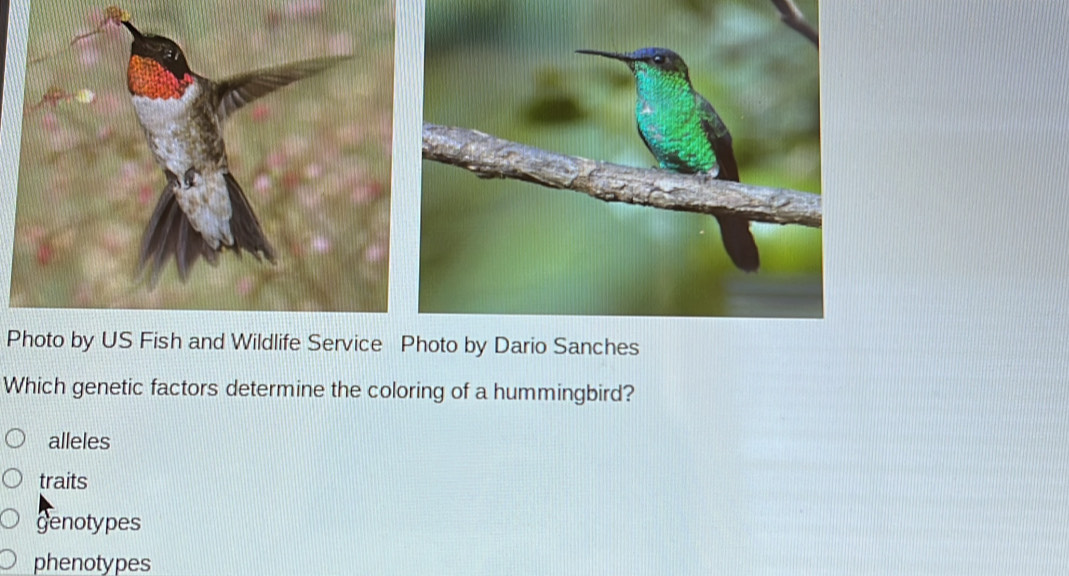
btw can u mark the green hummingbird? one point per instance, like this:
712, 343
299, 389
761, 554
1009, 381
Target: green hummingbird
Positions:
685, 134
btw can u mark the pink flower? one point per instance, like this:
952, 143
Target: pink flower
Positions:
365, 192
375, 253
260, 112
262, 184
45, 253
303, 8
321, 244
244, 286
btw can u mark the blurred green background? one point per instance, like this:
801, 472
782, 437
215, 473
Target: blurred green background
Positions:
313, 158
509, 68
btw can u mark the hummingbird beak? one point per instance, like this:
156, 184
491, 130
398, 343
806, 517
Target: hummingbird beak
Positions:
137, 33
614, 55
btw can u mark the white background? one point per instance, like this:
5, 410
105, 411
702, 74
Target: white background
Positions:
918, 429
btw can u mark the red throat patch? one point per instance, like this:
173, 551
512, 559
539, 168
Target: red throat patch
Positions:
146, 77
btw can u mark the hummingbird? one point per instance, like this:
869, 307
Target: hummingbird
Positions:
202, 209
685, 134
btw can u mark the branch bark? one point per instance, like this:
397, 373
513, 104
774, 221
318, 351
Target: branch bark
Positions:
491, 157
792, 16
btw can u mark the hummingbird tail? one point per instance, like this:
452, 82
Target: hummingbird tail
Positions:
739, 242
169, 233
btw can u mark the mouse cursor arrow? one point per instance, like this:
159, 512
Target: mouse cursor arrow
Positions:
44, 507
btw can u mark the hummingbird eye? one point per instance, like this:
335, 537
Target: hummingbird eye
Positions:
168, 53
658, 59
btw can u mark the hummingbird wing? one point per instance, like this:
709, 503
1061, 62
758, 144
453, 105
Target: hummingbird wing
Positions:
720, 139
237, 91
734, 230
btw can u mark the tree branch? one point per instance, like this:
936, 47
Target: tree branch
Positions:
793, 17
491, 157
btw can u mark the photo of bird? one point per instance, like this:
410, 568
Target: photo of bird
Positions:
255, 137
685, 134
202, 209
537, 197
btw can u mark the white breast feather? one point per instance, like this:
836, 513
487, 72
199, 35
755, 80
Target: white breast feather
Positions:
163, 122
205, 200
207, 205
